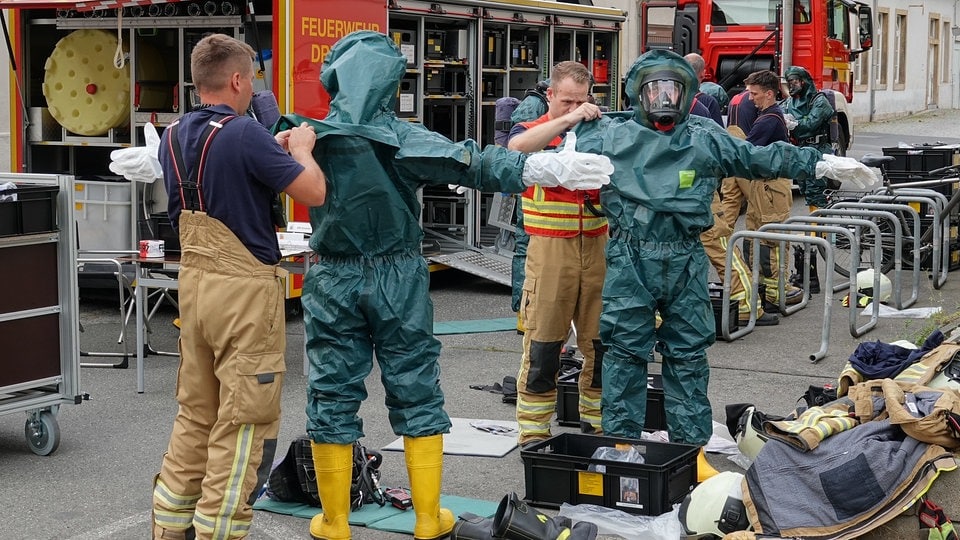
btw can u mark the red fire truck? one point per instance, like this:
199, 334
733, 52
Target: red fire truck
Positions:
738, 37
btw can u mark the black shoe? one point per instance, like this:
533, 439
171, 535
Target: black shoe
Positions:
769, 307
530, 443
797, 281
767, 319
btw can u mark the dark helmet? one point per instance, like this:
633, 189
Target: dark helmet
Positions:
661, 85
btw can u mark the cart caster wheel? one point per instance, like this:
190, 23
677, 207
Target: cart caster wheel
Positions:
43, 433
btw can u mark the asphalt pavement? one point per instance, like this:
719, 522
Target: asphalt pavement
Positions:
97, 484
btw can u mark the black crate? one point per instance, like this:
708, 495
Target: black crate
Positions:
34, 211
920, 158
926, 261
568, 401
734, 309
561, 470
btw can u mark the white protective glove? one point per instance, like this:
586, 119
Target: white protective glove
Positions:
790, 121
459, 189
846, 169
567, 168
139, 163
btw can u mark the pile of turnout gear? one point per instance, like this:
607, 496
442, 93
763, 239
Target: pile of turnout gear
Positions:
843, 467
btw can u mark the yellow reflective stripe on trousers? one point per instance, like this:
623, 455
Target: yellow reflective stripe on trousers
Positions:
224, 525
590, 405
173, 520
172, 500
746, 278
534, 417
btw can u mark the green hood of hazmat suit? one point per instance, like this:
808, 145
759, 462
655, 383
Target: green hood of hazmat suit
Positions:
368, 294
374, 210
657, 204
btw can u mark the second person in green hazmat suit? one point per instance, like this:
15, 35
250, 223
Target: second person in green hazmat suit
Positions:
368, 295
666, 168
812, 112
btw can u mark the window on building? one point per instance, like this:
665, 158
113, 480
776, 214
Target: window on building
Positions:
945, 52
861, 72
900, 54
881, 39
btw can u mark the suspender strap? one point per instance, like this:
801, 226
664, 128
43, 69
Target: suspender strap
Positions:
191, 195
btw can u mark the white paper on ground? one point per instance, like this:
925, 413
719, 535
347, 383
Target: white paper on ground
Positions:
910, 313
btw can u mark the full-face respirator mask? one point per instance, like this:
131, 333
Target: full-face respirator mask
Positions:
662, 96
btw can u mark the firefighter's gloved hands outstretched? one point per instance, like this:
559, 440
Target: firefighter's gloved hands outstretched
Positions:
846, 169
139, 163
568, 168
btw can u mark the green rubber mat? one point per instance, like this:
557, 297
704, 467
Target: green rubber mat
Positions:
367, 514
385, 518
404, 521
475, 326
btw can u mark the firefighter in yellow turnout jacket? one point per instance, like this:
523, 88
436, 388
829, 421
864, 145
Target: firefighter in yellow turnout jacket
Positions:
564, 269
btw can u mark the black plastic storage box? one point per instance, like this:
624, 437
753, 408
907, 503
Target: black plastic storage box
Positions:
34, 211
568, 402
561, 470
913, 164
919, 159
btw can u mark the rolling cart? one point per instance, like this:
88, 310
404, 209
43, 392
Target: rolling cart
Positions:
40, 359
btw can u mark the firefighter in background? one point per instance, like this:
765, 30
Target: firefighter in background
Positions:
718, 93
767, 202
666, 169
368, 294
715, 240
711, 103
812, 113
564, 268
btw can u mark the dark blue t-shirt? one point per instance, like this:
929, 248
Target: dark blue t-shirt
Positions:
769, 127
712, 105
742, 111
244, 171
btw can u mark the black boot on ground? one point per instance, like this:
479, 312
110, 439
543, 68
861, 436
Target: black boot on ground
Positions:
473, 527
515, 520
797, 278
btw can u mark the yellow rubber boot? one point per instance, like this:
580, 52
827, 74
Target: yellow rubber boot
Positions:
704, 469
424, 456
334, 467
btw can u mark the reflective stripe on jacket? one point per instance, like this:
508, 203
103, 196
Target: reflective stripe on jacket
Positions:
560, 212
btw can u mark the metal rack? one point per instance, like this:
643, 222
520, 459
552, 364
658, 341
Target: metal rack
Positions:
41, 360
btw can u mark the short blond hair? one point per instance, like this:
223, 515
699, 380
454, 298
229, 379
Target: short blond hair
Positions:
216, 58
570, 70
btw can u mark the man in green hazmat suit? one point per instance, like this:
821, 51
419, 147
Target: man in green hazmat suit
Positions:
812, 112
808, 113
666, 168
368, 295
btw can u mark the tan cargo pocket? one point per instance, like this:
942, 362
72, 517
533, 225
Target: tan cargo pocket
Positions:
256, 393
777, 200
527, 311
